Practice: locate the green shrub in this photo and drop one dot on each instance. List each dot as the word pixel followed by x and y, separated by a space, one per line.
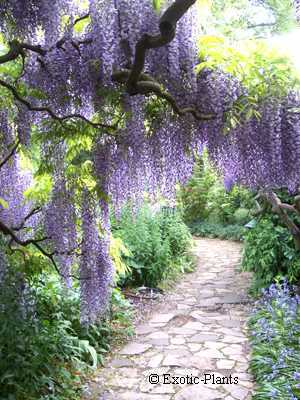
pixel 175 232
pixel 241 216
pixel 45 352
pixel 158 244
pixel 194 196
pixel 269 252
pixel 206 229
pixel 204 198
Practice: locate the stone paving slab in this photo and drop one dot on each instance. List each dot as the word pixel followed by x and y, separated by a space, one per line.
pixel 195 346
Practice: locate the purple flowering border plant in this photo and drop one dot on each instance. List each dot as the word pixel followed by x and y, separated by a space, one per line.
pixel 275 338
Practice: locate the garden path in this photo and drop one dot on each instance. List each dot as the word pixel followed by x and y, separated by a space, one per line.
pixel 198 331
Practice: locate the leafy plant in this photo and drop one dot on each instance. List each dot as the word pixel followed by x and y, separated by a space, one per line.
pixel 241 216
pixel 50 353
pixel 264 72
pixel 274 329
pixel 118 253
pixel 204 198
pixel 158 244
pixel 206 229
pixel 269 252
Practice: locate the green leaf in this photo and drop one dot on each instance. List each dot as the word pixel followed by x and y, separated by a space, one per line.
pixel 3 203
pixel 86 347
pixel 82 157
pixel 157 4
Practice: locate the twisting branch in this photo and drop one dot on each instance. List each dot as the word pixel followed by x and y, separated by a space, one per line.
pixel 34 211
pixel 13 53
pixel 35 242
pixel 24 243
pixel 9 232
pixel 281 210
pixel 18 49
pixel 79 19
pixel 50 112
pixel 121 76
pixel 148 85
pixel 153 87
pixel 167 27
pixel 10 154
pixel 137 82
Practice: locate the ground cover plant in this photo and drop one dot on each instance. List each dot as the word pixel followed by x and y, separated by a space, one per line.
pixel 206 229
pixel 274 330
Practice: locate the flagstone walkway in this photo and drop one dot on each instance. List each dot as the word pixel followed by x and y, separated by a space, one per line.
pixel 195 346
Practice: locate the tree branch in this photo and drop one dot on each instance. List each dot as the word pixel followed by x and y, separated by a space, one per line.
pixel 35 242
pixel 34 211
pixel 51 113
pixel 122 75
pixel 148 85
pixel 9 232
pixel 262 25
pixel 138 82
pixel 281 210
pixel 167 27
pixel 11 153
pixel 79 19
pixel 24 243
pixel 153 87
pixel 16 49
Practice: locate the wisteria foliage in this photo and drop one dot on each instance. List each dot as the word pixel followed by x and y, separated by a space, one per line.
pixel 151 152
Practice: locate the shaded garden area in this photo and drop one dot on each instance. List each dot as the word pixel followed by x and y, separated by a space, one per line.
pixel 127 130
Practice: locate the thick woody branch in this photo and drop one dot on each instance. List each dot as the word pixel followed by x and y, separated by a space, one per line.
pixel 147 85
pixel 167 27
pixel 137 82
pixel 10 154
pixel 122 75
pixel 16 49
pixel 174 13
pixel 281 210
pixel 145 43
pixel 153 87
pixel 13 53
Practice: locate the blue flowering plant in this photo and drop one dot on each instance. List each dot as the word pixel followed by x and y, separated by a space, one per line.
pixel 275 338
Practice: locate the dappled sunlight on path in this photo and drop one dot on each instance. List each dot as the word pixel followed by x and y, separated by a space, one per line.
pixel 194 347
